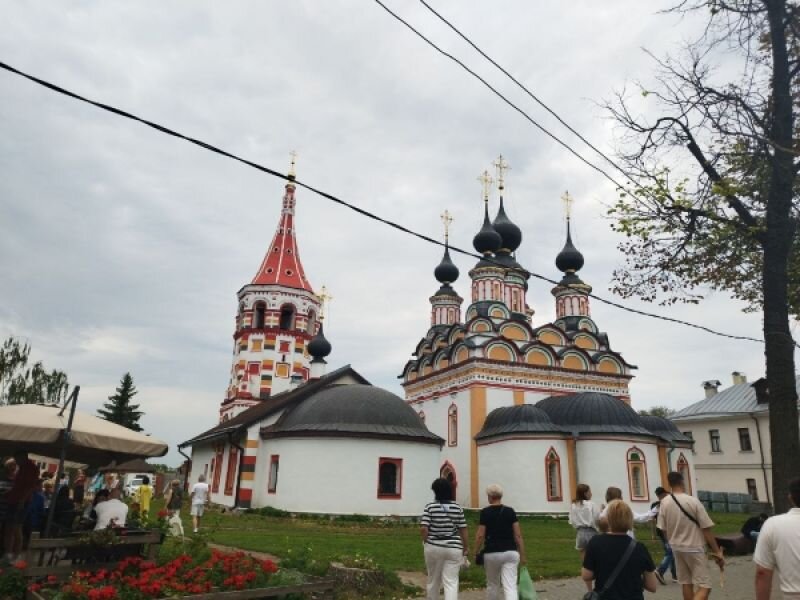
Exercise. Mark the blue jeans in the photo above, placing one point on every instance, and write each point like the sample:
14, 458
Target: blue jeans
668, 561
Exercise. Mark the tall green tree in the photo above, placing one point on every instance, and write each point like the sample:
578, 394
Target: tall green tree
119, 409
657, 411
21, 383
716, 172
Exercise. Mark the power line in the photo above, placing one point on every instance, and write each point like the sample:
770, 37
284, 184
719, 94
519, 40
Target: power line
211, 148
528, 92
524, 114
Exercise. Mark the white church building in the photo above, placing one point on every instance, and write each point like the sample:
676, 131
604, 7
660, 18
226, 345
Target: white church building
490, 398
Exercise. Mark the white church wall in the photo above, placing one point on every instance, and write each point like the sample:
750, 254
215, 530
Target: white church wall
340, 476
519, 467
265, 450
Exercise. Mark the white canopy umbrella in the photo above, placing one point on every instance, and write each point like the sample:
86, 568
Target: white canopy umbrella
39, 429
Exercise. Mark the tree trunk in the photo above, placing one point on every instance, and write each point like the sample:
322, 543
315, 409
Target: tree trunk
779, 345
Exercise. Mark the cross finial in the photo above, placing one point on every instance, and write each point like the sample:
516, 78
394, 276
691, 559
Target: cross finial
486, 184
447, 220
324, 299
567, 200
502, 166
293, 156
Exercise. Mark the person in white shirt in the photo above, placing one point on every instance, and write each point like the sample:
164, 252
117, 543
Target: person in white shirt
199, 501
614, 493
111, 513
778, 549
583, 516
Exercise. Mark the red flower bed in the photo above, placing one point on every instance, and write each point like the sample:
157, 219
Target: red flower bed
138, 579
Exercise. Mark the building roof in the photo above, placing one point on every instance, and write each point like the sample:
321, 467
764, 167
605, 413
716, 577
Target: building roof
593, 412
359, 410
272, 405
735, 400
665, 429
281, 264
517, 420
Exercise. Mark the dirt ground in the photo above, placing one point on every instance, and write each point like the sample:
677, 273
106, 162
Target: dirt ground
739, 585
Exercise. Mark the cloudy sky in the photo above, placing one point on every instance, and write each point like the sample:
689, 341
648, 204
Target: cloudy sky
122, 249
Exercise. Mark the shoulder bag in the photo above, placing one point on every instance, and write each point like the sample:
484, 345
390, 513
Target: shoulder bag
594, 594
683, 510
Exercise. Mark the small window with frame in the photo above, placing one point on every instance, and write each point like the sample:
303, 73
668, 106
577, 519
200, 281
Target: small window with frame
390, 478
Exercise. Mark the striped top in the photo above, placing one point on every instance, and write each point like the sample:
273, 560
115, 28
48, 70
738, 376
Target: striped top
443, 521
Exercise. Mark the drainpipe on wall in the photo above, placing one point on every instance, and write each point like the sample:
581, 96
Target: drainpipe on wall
238, 470
669, 455
188, 468
761, 452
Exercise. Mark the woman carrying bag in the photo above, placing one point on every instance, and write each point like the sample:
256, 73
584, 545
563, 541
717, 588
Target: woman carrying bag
504, 549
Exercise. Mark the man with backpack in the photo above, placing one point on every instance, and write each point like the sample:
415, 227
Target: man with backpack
687, 527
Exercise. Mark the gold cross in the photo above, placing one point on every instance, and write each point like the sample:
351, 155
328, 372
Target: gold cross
293, 156
446, 219
324, 299
502, 166
486, 184
567, 200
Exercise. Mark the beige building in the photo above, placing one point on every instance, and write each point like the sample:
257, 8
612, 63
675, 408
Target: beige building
730, 428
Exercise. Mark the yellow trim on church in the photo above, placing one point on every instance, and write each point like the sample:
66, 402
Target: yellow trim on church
477, 415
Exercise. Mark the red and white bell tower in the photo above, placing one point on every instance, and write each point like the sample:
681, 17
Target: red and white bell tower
278, 315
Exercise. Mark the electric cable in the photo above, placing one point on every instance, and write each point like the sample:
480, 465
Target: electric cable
211, 148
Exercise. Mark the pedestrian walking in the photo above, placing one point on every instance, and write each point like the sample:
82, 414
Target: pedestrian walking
687, 527
668, 562
778, 549
444, 539
583, 516
503, 550
199, 500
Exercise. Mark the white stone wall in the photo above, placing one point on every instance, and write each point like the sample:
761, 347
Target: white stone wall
340, 476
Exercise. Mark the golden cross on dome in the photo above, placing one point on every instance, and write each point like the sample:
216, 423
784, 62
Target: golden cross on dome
502, 166
324, 299
567, 200
486, 184
293, 156
447, 220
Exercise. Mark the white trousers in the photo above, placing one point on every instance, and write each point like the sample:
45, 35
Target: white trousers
443, 566
501, 575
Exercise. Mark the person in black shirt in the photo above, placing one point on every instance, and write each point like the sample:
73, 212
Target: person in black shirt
605, 551
504, 548
752, 526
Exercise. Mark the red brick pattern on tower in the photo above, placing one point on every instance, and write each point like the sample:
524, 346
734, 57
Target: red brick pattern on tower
281, 264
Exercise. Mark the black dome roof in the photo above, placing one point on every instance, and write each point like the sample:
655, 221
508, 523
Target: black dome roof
593, 412
509, 232
524, 418
487, 239
319, 346
569, 259
664, 428
354, 409
446, 271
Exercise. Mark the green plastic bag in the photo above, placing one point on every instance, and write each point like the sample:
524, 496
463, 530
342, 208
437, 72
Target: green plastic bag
526, 589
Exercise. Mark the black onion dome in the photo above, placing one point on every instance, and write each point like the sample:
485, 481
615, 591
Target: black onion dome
446, 271
509, 232
487, 240
358, 410
593, 412
569, 260
319, 347
521, 419
664, 428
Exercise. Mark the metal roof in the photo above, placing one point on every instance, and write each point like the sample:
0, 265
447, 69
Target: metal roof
593, 412
516, 420
737, 399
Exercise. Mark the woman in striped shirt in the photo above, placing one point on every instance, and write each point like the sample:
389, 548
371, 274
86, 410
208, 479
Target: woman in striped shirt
444, 537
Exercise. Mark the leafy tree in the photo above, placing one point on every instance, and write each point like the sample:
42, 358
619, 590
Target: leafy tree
23, 384
657, 411
726, 218
119, 409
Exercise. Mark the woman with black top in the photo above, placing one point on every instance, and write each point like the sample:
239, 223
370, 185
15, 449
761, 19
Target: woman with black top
604, 552
504, 549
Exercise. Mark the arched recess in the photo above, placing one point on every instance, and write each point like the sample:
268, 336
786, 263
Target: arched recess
287, 317
637, 475
480, 326
552, 472
441, 361
586, 341
515, 332
574, 361
312, 322
427, 367
259, 314
448, 471
549, 336
500, 352
460, 355
683, 469
539, 356
609, 365
422, 416
452, 425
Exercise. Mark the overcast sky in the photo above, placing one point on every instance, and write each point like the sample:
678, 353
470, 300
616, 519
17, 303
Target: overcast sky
122, 249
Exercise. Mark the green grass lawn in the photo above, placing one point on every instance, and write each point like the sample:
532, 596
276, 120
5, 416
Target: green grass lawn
550, 543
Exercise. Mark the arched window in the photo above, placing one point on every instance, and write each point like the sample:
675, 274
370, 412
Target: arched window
287, 316
422, 416
637, 475
683, 469
552, 470
240, 317
390, 477
452, 425
259, 311
312, 321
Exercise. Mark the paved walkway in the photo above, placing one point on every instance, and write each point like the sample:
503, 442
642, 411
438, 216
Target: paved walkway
739, 585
